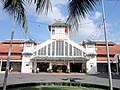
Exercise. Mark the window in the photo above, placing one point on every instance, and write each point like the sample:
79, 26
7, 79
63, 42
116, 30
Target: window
44, 50
66, 49
70, 50
60, 48
53, 48
49, 49
38, 52
57, 48
53, 32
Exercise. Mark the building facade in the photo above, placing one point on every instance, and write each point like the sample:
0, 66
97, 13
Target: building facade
58, 54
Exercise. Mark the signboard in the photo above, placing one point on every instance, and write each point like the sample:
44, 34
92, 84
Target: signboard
60, 63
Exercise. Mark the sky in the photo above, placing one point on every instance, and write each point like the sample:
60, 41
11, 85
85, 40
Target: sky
89, 28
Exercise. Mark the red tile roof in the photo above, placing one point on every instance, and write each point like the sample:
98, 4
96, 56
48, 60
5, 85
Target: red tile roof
15, 48
104, 43
104, 58
112, 49
18, 57
14, 41
101, 50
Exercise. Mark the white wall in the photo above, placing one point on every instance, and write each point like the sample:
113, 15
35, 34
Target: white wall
91, 65
26, 63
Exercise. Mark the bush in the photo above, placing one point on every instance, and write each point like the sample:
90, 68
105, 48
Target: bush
3, 68
68, 71
50, 71
59, 71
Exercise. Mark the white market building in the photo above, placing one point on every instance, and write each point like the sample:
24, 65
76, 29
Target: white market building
58, 54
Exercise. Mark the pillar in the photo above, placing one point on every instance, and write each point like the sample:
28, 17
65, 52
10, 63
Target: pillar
68, 65
35, 66
0, 65
50, 65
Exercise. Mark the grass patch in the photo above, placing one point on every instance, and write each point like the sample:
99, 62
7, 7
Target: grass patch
57, 86
53, 88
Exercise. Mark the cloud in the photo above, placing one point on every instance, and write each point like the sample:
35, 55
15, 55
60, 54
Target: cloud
56, 12
59, 2
51, 16
98, 15
85, 30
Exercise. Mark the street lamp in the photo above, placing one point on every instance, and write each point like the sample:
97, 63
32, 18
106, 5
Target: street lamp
107, 49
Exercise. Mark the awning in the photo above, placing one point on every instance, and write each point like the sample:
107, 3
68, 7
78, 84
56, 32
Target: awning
40, 58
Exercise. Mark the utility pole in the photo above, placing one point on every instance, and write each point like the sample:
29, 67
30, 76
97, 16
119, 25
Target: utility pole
107, 49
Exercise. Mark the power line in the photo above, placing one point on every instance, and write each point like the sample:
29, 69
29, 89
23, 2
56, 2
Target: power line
112, 9
93, 33
37, 22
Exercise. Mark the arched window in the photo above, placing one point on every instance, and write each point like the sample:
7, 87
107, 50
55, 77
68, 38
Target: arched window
53, 32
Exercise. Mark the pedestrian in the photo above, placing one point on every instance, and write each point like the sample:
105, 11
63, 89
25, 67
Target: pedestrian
11, 69
37, 71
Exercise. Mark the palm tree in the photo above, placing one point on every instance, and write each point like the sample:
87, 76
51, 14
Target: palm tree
77, 10
16, 9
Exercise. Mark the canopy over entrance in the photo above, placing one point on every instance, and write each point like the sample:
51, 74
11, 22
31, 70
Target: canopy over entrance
39, 58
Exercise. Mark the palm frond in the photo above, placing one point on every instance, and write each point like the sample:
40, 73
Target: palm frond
78, 10
16, 7
41, 5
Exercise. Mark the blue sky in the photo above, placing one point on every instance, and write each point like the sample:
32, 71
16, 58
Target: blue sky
90, 27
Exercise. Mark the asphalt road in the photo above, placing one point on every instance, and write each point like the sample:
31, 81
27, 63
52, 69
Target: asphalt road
100, 79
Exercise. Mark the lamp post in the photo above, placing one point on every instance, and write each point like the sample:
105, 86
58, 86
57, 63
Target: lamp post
107, 49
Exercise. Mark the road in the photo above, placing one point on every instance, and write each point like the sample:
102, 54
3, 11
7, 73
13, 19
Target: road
100, 79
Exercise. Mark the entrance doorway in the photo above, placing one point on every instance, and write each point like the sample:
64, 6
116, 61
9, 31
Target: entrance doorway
42, 66
75, 67
63, 68
16, 66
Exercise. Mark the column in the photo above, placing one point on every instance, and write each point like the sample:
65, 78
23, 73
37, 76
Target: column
68, 67
35, 66
0, 65
50, 65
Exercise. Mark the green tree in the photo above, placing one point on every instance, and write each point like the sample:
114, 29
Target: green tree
77, 10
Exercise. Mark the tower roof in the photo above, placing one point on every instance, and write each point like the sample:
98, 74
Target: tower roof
59, 24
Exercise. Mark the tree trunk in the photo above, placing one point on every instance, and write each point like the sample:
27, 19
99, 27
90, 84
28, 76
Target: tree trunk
9, 53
